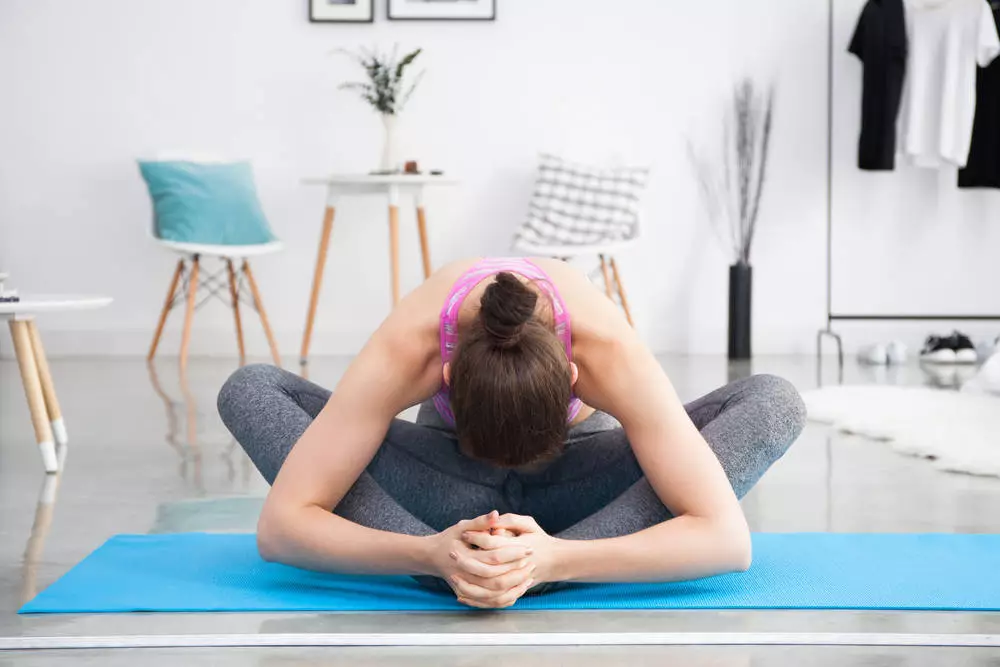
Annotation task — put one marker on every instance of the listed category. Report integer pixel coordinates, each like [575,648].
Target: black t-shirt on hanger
[983,167]
[880,42]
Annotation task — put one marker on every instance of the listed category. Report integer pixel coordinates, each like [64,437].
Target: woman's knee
[243,387]
[780,409]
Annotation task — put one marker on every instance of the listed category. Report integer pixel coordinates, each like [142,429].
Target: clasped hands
[493,560]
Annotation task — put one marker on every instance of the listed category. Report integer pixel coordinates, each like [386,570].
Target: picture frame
[441,10]
[341,11]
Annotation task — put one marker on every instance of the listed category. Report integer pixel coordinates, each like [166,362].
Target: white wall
[86,87]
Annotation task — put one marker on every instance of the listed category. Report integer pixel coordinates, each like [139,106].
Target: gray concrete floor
[148,454]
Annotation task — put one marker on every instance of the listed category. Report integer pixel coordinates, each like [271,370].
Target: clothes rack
[831,316]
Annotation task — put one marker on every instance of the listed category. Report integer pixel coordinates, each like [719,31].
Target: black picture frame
[311,11]
[491,17]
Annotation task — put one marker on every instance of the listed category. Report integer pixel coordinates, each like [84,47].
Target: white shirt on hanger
[947,39]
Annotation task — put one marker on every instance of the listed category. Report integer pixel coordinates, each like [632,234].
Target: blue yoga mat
[222,572]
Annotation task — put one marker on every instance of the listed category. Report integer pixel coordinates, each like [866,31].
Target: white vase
[390,156]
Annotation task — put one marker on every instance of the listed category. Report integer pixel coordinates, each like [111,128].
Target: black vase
[740,288]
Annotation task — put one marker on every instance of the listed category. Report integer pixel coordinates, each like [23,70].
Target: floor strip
[503,639]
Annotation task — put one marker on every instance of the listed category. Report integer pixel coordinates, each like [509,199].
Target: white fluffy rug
[960,431]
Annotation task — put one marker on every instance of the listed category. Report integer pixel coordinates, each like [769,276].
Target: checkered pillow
[579,205]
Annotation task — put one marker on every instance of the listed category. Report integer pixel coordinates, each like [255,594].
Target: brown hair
[510,380]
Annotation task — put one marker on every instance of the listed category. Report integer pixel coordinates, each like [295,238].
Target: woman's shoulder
[592,314]
[414,322]
[588,307]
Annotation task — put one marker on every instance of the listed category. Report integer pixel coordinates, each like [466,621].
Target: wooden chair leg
[166,309]
[324,244]
[234,293]
[425,250]
[33,392]
[259,304]
[394,251]
[607,278]
[621,292]
[48,387]
[189,312]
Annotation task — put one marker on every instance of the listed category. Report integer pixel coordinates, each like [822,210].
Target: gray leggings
[419,483]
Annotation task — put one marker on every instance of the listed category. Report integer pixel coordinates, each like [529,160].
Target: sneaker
[896,352]
[873,355]
[965,351]
[938,350]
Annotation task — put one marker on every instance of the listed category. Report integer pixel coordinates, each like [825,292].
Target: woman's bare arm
[398,368]
[619,375]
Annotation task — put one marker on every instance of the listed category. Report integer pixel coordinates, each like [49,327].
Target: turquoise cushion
[214,204]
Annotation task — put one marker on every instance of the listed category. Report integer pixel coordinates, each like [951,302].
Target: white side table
[46,416]
[393,187]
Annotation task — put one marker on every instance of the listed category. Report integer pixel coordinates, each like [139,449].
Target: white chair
[568,229]
[235,270]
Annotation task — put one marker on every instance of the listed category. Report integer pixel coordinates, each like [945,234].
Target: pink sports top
[479,272]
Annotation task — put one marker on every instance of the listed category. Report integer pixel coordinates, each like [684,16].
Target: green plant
[385,88]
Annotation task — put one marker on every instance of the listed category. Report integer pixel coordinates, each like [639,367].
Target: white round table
[36,377]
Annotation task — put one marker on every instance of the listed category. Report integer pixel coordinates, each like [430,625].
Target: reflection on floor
[189,448]
[149,454]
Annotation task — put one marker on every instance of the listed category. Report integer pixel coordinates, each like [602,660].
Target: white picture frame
[341,11]
[442,10]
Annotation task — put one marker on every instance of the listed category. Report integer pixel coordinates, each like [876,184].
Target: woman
[538,400]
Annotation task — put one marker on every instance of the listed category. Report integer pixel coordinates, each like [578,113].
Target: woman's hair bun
[507,305]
